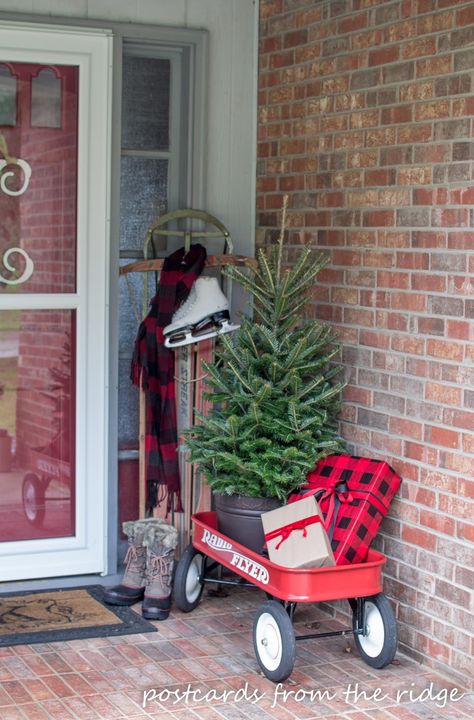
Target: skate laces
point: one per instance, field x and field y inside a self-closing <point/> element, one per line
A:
<point x="184" y="309"/>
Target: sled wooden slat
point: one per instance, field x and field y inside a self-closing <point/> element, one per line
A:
<point x="204" y="353"/>
<point x="212" y="261"/>
<point x="185" y="390"/>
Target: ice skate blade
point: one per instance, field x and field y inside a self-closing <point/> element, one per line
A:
<point x="189" y="339"/>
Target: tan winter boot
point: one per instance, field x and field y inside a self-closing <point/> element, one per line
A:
<point x="160" y="543"/>
<point x="132" y="587"/>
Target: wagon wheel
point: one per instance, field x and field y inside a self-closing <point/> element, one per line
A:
<point x="274" y="641"/>
<point x="378" y="644"/>
<point x="33" y="496"/>
<point x="188" y="586"/>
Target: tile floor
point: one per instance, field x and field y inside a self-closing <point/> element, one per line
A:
<point x="209" y="652"/>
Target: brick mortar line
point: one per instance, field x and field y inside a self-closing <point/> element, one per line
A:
<point x="380" y="126"/>
<point x="378" y="89"/>
<point x="410" y="314"/>
<point x="366" y="130"/>
<point x="394" y="290"/>
<point x="350" y="73"/>
<point x="456" y="185"/>
<point x="467" y="184"/>
<point x="446" y="623"/>
<point x="367" y="51"/>
<point x="428" y="634"/>
<point x="428" y="401"/>
<point x="349" y="13"/>
<point x="437" y="666"/>
<point x="423" y="423"/>
<point x="406" y="583"/>
<point x="456" y="475"/>
<point x="419" y="464"/>
<point x="425" y="613"/>
<point x="421" y="506"/>
<point x="405" y="333"/>
<point x="404" y="250"/>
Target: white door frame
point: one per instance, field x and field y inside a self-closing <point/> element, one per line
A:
<point x="91" y="50"/>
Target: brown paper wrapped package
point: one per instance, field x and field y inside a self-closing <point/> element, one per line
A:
<point x="295" y="535"/>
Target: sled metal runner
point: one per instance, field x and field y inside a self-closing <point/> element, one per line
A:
<point x="373" y="622"/>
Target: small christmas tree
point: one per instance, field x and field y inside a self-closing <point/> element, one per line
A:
<point x="275" y="392"/>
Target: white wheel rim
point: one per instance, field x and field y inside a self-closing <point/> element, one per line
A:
<point x="193" y="586"/>
<point x="268" y="641"/>
<point x="372" y="643"/>
<point x="30" y="501"/>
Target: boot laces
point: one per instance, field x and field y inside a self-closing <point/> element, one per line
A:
<point x="131" y="555"/>
<point x="159" y="568"/>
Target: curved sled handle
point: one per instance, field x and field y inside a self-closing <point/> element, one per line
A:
<point x="160" y="227"/>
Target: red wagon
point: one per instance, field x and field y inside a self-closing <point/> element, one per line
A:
<point x="373" y="622"/>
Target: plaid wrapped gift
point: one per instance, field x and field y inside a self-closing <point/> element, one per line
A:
<point x="354" y="495"/>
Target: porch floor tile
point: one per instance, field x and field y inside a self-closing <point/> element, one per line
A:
<point x="202" y="665"/>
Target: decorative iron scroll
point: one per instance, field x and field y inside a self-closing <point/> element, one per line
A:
<point x="27" y="271"/>
<point x="4" y="176"/>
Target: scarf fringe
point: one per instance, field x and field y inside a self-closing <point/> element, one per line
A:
<point x="159" y="492"/>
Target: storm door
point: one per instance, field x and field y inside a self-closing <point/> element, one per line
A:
<point x="54" y="187"/>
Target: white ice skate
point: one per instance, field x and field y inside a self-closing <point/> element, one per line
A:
<point x="205" y="314"/>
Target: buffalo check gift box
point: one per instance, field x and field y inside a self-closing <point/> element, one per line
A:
<point x="354" y="495"/>
<point x="295" y="535"/>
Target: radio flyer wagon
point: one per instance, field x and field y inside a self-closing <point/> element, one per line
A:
<point x="373" y="622"/>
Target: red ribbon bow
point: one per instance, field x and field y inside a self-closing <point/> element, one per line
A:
<point x="286" y="530"/>
<point x="331" y="493"/>
<point x="328" y="493"/>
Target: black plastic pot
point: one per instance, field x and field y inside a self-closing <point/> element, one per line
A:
<point x="239" y="518"/>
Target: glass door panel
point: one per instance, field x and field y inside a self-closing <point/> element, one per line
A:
<point x="38" y="181"/>
<point x="38" y="246"/>
<point x="147" y="167"/>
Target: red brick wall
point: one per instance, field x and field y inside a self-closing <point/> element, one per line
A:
<point x="366" y="121"/>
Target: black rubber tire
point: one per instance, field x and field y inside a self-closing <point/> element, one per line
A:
<point x="378" y="647"/>
<point x="33" y="498"/>
<point x="187" y="587"/>
<point x="274" y="641"/>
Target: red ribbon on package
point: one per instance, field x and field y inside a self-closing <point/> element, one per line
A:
<point x="332" y="493"/>
<point x="286" y="530"/>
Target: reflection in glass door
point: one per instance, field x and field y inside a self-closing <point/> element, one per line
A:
<point x="37" y="433"/>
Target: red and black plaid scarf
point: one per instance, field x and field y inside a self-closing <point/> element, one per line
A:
<point x="153" y="368"/>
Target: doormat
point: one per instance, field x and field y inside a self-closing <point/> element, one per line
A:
<point x="60" y="615"/>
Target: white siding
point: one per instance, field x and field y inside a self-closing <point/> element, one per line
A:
<point x="230" y="142"/>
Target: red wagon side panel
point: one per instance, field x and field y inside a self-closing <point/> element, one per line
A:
<point x="295" y="585"/>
